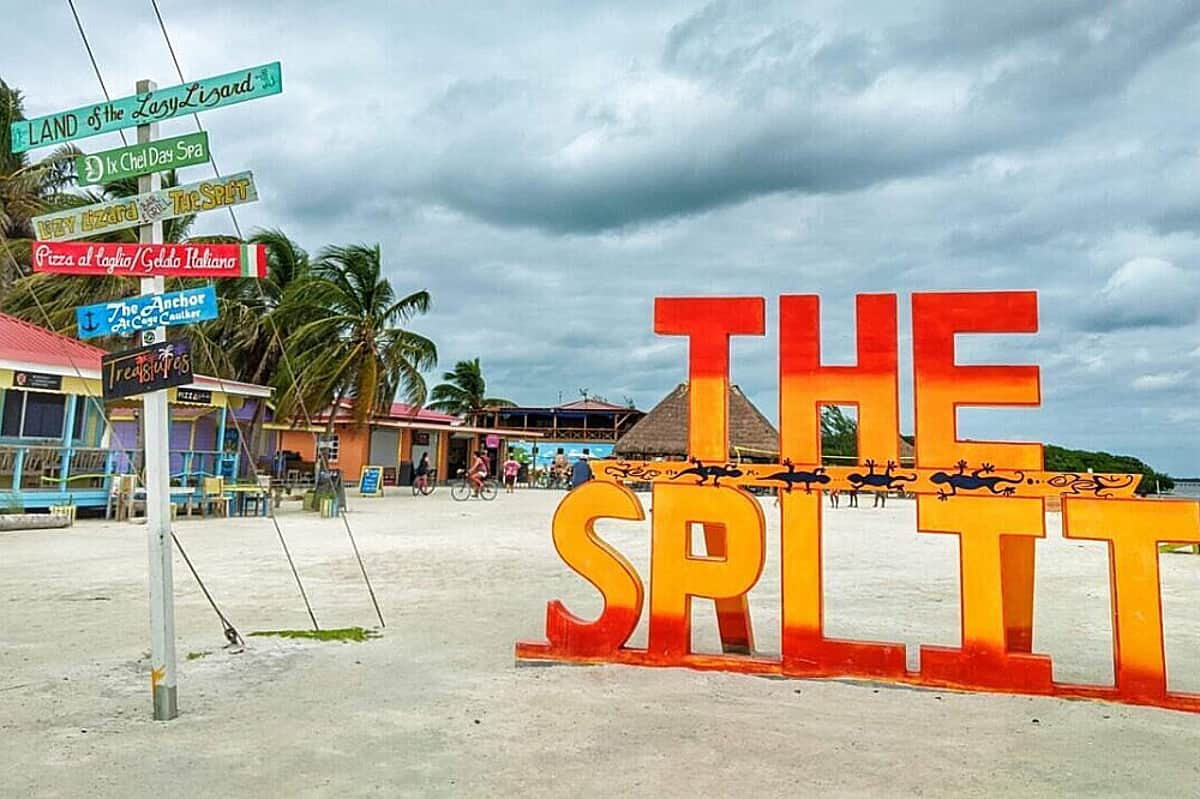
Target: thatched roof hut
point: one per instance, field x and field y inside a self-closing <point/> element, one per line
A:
<point x="663" y="432"/>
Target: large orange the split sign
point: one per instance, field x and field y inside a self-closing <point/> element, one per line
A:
<point x="990" y="495"/>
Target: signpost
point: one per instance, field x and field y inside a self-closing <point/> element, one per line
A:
<point x="152" y="369"/>
<point x="146" y="369"/>
<point x="133" y="315"/>
<point x="149" y="207"/>
<point x="147" y="107"/>
<point x="142" y="159"/>
<point x="141" y="260"/>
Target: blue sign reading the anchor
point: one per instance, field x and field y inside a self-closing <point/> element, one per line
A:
<point x="131" y="315"/>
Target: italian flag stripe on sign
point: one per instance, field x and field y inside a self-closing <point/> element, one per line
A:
<point x="253" y="262"/>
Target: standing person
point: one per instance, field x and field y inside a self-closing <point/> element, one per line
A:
<point x="834" y="495"/>
<point x="560" y="470"/>
<point x="511" y="467"/>
<point x="880" y="500"/>
<point x="581" y="472"/>
<point x="422" y="471"/>
<point x="854" y="497"/>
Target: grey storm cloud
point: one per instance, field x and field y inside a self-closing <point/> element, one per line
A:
<point x="546" y="169"/>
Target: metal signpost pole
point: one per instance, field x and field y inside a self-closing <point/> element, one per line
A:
<point x="158" y="497"/>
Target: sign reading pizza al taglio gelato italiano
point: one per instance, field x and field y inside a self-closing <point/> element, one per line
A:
<point x="150" y="260"/>
<point x="146" y="209"/>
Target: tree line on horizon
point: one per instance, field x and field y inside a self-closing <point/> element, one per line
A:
<point x="318" y="329"/>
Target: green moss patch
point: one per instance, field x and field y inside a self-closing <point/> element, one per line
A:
<point x="197" y="655"/>
<point x="358" y="634"/>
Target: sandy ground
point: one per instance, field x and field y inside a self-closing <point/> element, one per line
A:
<point x="437" y="707"/>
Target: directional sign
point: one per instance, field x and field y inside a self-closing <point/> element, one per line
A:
<point x="131" y="315"/>
<point x="145" y="369"/>
<point x="146" y="209"/>
<point x="143" y="109"/>
<point x="142" y="159"/>
<point x="150" y="260"/>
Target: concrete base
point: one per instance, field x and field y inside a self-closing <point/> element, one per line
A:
<point x="32" y="521"/>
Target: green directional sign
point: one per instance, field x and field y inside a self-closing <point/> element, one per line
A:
<point x="142" y="159"/>
<point x="144" y="109"/>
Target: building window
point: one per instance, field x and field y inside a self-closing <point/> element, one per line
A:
<point x="330" y="445"/>
<point x="33" y="414"/>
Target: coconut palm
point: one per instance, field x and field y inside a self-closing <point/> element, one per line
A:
<point x="347" y="338"/>
<point x="27" y="189"/>
<point x="465" y="391"/>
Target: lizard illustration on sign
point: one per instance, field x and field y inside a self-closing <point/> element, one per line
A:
<point x="982" y="477"/>
<point x="883" y="480"/>
<point x="705" y="472"/>
<point x="791" y="477"/>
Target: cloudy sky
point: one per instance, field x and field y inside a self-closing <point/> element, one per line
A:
<point x="545" y="170"/>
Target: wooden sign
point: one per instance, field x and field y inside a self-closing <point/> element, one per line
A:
<point x="370" y="482"/>
<point x="143" y="109"/>
<point x="140" y="371"/>
<point x="130" y="315"/>
<point x="142" y="159"/>
<point x="146" y="209"/>
<point x="151" y="260"/>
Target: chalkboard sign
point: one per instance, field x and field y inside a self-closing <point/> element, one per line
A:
<point x="163" y="365"/>
<point x="370" y="484"/>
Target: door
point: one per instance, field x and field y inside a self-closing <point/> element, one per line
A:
<point x="385" y="447"/>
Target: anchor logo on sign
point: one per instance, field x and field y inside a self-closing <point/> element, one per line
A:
<point x="89" y="326"/>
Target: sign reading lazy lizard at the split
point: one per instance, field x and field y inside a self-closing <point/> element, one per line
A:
<point x="150" y="260"/>
<point x="131" y="315"/>
<point x="142" y="159"/>
<point x="991" y="496"/>
<point x="126" y="374"/>
<point x="146" y="209"/>
<point x="143" y="109"/>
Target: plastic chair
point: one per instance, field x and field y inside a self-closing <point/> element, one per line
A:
<point x="213" y="495"/>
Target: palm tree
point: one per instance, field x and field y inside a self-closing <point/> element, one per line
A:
<point x="51" y="299"/>
<point x="465" y="391"/>
<point x="347" y="337"/>
<point x="26" y="190"/>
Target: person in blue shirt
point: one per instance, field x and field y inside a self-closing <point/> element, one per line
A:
<point x="581" y="471"/>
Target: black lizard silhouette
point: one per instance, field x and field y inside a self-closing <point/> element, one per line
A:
<point x="976" y="480"/>
<point x="715" y="472"/>
<point x="791" y="477"/>
<point x="884" y="480"/>
<point x="1095" y="484"/>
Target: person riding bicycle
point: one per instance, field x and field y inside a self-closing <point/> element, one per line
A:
<point x="478" y="471"/>
<point x="422" y="471"/>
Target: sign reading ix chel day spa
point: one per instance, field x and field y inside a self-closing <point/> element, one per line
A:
<point x="151" y="260"/>
<point x="142" y="159"/>
<point x="146" y="209"/>
<point x="989" y="495"/>
<point x="131" y="315"/>
<point x="144" y="109"/>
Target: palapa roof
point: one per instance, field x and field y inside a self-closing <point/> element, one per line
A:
<point x="664" y="430"/>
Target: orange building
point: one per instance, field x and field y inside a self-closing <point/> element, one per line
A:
<point x="394" y="441"/>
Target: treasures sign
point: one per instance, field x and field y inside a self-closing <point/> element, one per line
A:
<point x="131" y="315"/>
<point x="144" y="109"/>
<point x="142" y="159"/>
<point x="151" y="260"/>
<point x="126" y="374"/>
<point x="146" y="209"/>
<point x="990" y="495"/>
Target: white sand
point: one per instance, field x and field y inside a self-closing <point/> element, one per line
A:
<point x="437" y="707"/>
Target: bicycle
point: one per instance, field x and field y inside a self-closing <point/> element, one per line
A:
<point x="422" y="486"/>
<point x="463" y="490"/>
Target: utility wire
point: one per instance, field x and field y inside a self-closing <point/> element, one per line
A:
<point x="320" y="456"/>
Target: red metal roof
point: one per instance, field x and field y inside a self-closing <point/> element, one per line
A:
<point x="399" y="411"/>
<point x="27" y="343"/>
